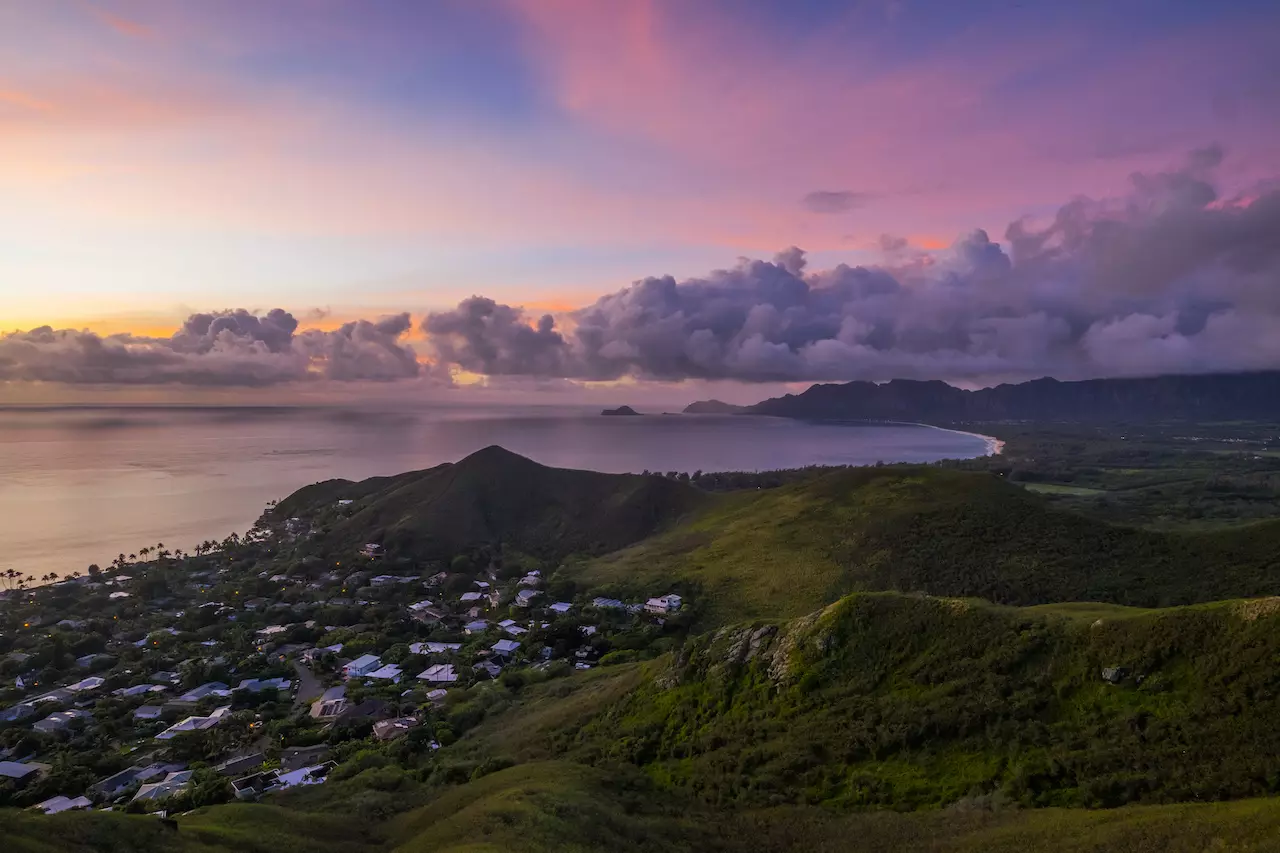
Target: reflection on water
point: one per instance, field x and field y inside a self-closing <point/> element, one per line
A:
<point x="80" y="485"/>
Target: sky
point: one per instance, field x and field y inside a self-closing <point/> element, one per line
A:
<point x="540" y="195"/>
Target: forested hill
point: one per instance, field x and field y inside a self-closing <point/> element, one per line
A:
<point x="1209" y="397"/>
<point x="493" y="497"/>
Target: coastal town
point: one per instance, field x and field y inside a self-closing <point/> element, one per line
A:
<point x="168" y="681"/>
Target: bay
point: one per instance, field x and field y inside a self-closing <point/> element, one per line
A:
<point x="82" y="484"/>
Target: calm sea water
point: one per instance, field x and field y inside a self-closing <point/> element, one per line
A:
<point x="81" y="485"/>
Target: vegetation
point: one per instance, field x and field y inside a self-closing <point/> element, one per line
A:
<point x="916" y="657"/>
<point x="492" y="497"/>
<point x="787" y="551"/>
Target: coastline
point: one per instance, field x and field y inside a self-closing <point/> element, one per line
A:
<point x="995" y="446"/>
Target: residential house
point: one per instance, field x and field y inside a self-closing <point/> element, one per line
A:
<point x="505" y="648"/>
<point x="253" y="786"/>
<point x="488" y="667"/>
<point x="17" y="713"/>
<point x="60" y="720"/>
<point x="93" y="682"/>
<point x="479" y="626"/>
<point x="440" y="673"/>
<point x="137" y="690"/>
<point x="313" y="655"/>
<point x="330" y="704"/>
<point x="361" y="666"/>
<point x="53" y="805"/>
<point x="608" y="604"/>
<point x="515" y="630"/>
<point x="389" y="672"/>
<point x="20" y="773"/>
<point x="299" y="757"/>
<point x="195" y="724"/>
<point x="531" y="579"/>
<point x="437" y="696"/>
<point x="173" y="783"/>
<point x="210" y="688"/>
<point x="525" y="597"/>
<point x="663" y="604"/>
<point x="147" y="712"/>
<point x="240" y="764"/>
<point x="561" y="607"/>
<point x="116" y="783"/>
<point x="470" y="597"/>
<point x="433" y="648"/>
<point x="257" y="685"/>
<point x="372" y="551"/>
<point x="393" y="728"/>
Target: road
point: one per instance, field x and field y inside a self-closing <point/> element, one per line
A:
<point x="309" y="687"/>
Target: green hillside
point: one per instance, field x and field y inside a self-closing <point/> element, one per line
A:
<point x="884" y="700"/>
<point x="557" y="806"/>
<point x="494" y="497"/>
<point x="784" y="552"/>
<point x="235" y="827"/>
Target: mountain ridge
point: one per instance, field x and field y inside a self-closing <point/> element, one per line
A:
<point x="1206" y="397"/>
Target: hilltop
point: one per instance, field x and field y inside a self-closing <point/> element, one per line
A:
<point x="713" y="407"/>
<point x="494" y="497"/>
<point x="1208" y="397"/>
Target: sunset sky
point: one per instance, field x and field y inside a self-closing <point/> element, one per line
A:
<point x="353" y="161"/>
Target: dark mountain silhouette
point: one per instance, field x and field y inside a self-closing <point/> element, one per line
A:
<point x="713" y="407"/>
<point x="496" y="496"/>
<point x="1207" y="397"/>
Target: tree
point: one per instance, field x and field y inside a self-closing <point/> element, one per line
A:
<point x="95" y="573"/>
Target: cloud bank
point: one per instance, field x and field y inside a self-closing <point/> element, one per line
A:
<point x="1170" y="278"/>
<point x="228" y="348"/>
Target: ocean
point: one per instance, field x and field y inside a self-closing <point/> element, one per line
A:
<point x="83" y="484"/>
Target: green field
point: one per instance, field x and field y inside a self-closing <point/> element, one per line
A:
<point x="1063" y="489"/>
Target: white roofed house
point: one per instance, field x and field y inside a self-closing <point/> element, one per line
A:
<point x="668" y="603"/>
<point x="479" y="626"/>
<point x="174" y="783"/>
<point x="561" y="607"/>
<point x="440" y="673"/>
<point x="53" y="805"/>
<point x="195" y="724"/>
<point x="469" y="597"/>
<point x="361" y="666"/>
<point x="372" y="551"/>
<point x="388" y="672"/>
<point x="525" y="597"/>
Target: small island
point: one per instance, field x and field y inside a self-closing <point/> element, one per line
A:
<point x="713" y="407"/>
<point x="621" y="411"/>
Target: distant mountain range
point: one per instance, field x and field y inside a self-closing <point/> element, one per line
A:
<point x="1217" y="397"/>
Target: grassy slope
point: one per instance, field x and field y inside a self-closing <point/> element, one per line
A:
<point x="902" y="701"/>
<point x="785" y="552"/>
<point x="496" y="496"/>
<point x="556" y="806"/>
<point x="242" y="828"/>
